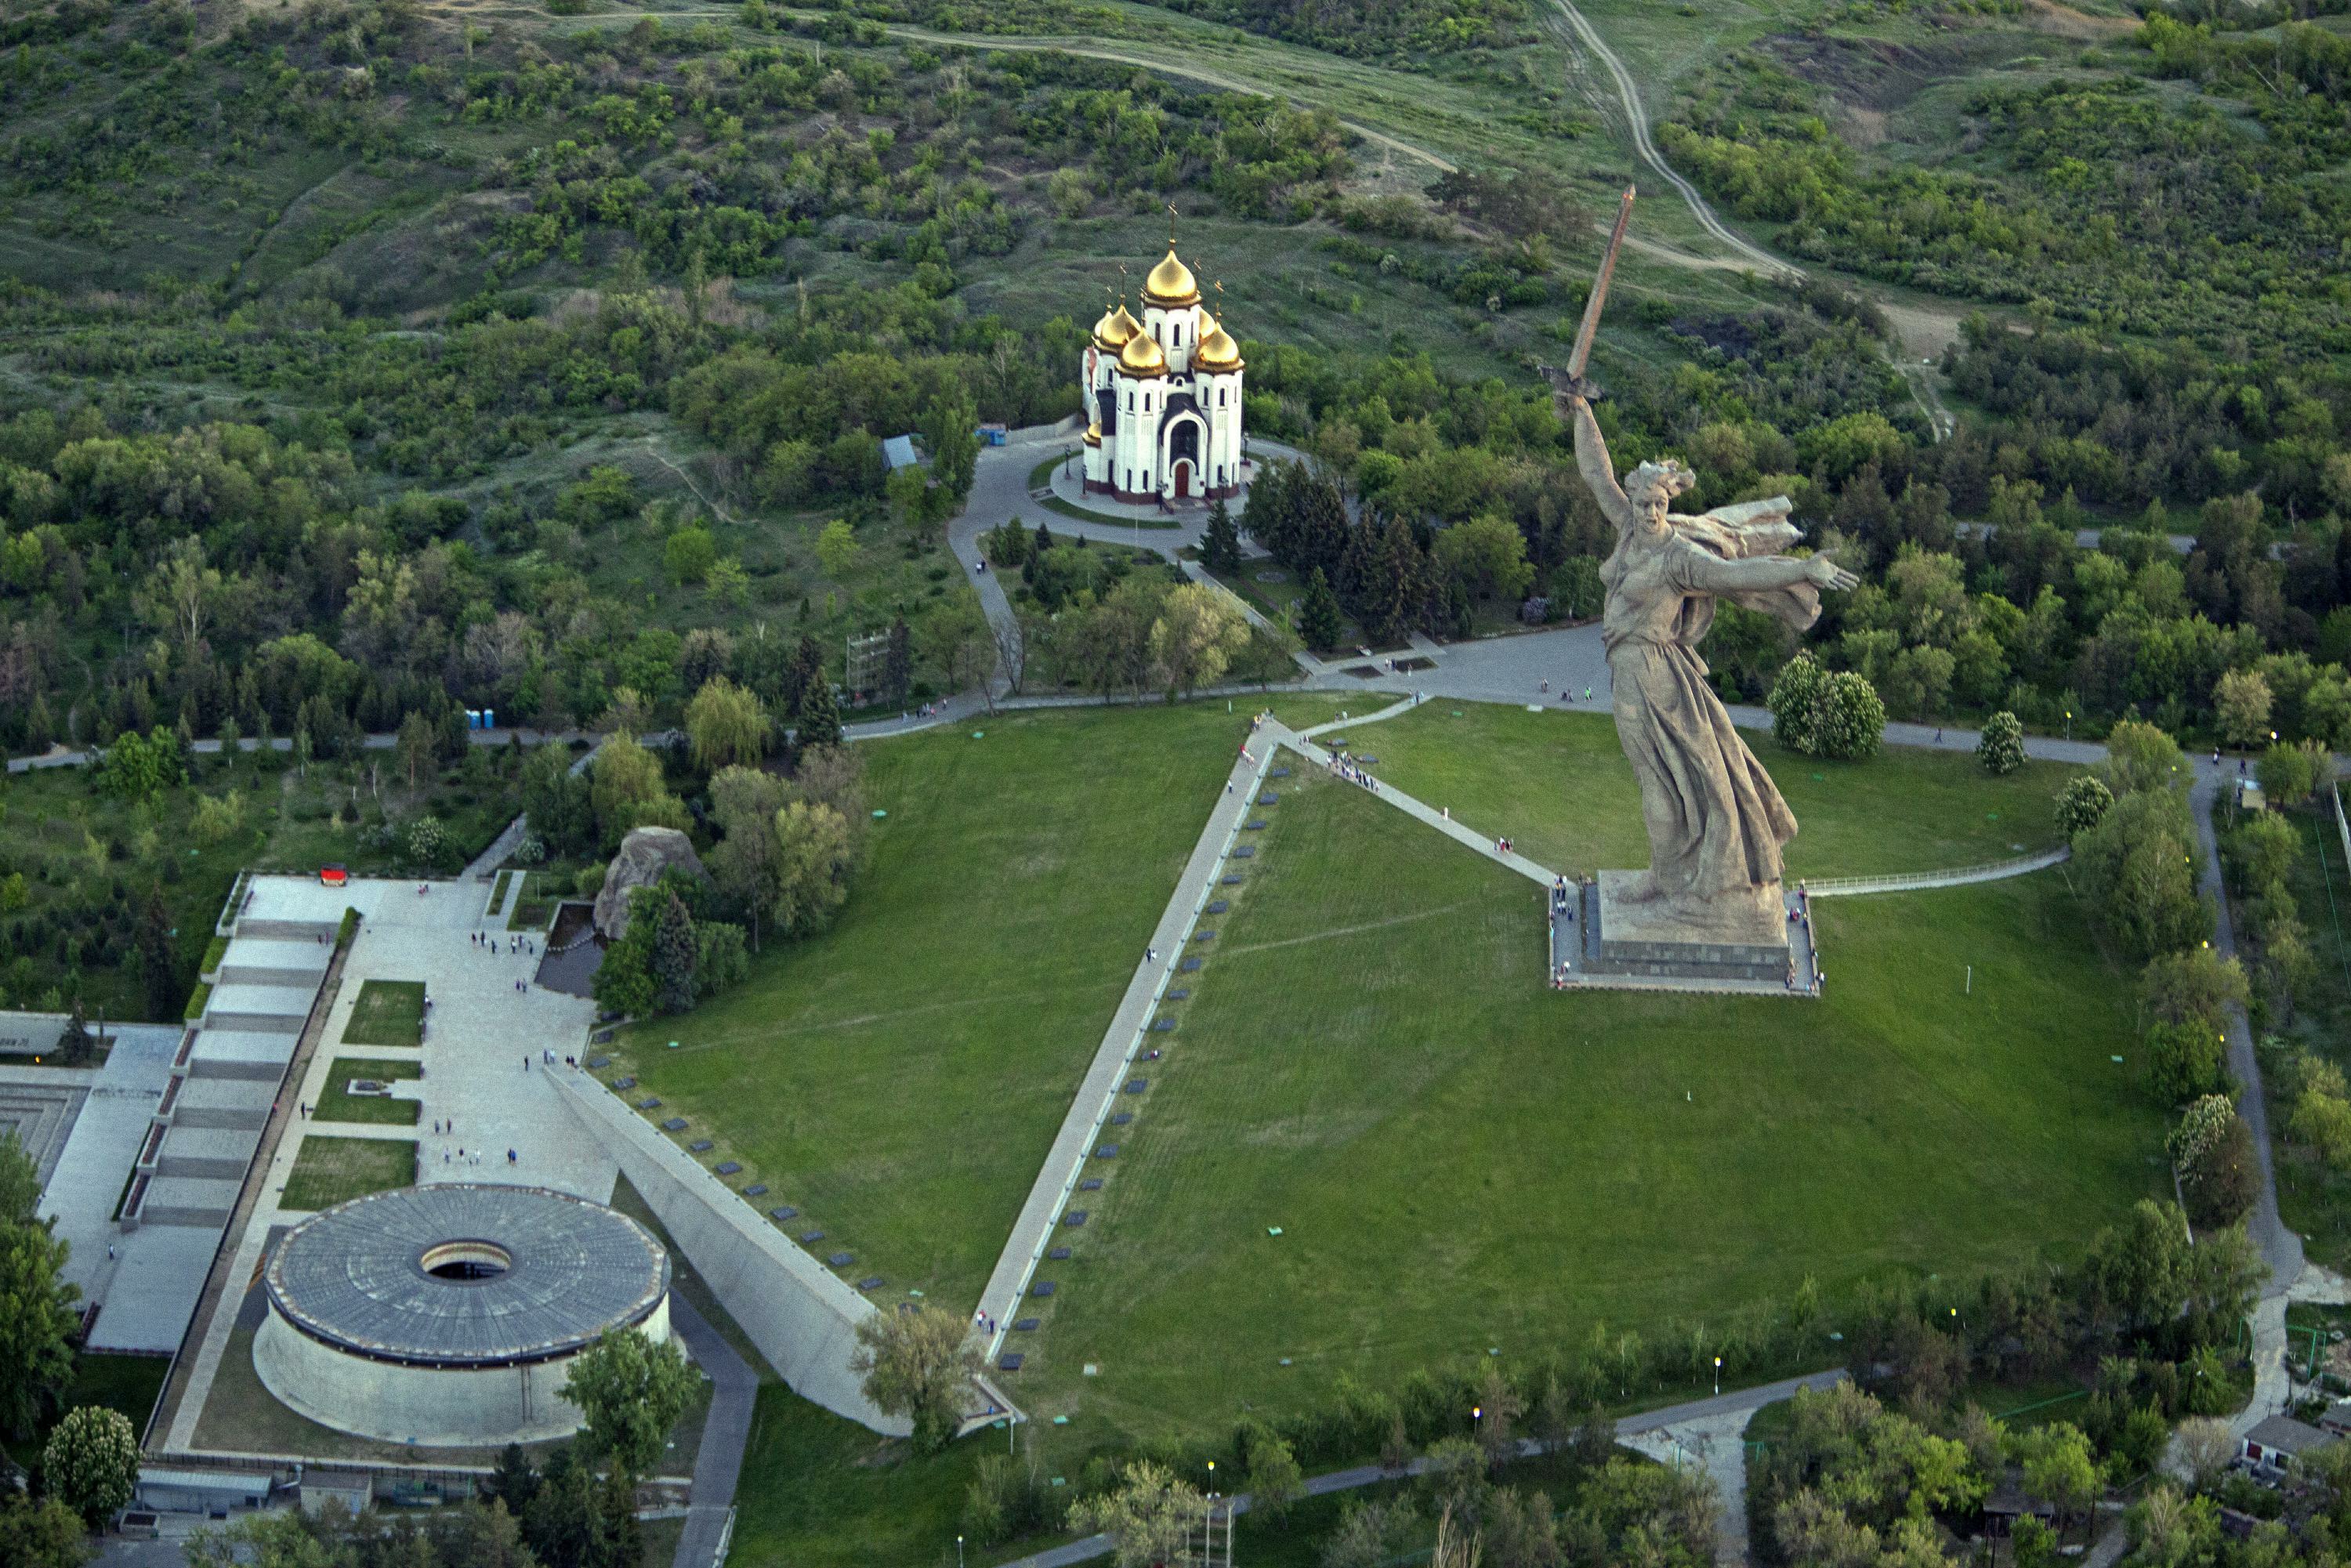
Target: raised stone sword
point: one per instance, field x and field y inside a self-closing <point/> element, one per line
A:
<point x="1583" y="352"/>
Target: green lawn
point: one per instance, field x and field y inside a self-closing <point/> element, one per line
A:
<point x="1460" y="1159"/>
<point x="900" y="1078"/>
<point x="534" y="903"/>
<point x="126" y="1382"/>
<point x="389" y="1012"/>
<point x="2312" y="1200"/>
<point x="1558" y="784"/>
<point x="336" y="1105"/>
<point x="329" y="1170"/>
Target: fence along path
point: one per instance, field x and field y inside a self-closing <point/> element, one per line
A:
<point x="1956" y="876"/>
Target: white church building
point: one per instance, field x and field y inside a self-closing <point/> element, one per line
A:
<point x="1163" y="397"/>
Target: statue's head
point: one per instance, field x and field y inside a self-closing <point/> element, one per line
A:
<point x="1652" y="487"/>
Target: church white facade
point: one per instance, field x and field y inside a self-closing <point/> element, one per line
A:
<point x="1163" y="397"/>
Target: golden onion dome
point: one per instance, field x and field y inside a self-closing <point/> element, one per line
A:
<point x="1115" y="327"/>
<point x="1142" y="356"/>
<point x="1171" y="283"/>
<point x="1218" y="351"/>
<point x="1093" y="436"/>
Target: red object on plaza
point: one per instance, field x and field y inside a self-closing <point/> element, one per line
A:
<point x="333" y="876"/>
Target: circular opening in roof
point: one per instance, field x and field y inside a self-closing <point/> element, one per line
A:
<point x="466" y="1260"/>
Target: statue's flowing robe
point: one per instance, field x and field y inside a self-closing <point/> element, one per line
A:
<point x="1717" y="823"/>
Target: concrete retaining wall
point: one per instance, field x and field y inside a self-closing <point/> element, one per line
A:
<point x="803" y="1319"/>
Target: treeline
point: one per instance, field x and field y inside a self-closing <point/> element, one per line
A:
<point x="2114" y="206"/>
<point x="2144" y="1322"/>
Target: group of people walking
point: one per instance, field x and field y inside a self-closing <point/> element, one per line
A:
<point x="1347" y="767"/>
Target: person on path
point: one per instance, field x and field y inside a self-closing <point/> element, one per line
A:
<point x="526" y="1064"/>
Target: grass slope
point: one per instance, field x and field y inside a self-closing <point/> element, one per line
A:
<point x="1459" y="1158"/>
<point x="1558" y="784"/>
<point x="329" y="1171"/>
<point x="900" y="1078"/>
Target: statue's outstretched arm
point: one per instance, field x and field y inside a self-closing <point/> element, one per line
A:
<point x="1591" y="462"/>
<point x="1710" y="573"/>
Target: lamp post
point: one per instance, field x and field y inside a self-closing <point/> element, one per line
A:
<point x="1212" y="1477"/>
<point x="2069" y="723"/>
<point x="959" y="1551"/>
<point x="1718" y="1374"/>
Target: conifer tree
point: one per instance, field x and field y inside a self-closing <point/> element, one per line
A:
<point x="1317" y="613"/>
<point x="1221" y="541"/>
<point x="819" y="722"/>
<point x="898" y="665"/>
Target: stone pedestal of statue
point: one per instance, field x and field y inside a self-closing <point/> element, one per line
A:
<point x="1625" y="942"/>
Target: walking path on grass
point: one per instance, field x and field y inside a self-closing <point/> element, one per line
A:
<point x="725" y="1432"/>
<point x="1056" y="1179"/>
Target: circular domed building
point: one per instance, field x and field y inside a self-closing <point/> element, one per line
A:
<point x="1163" y="396"/>
<point x="451" y="1314"/>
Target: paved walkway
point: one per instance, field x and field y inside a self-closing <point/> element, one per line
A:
<point x="1007" y="1285"/>
<point x="1739" y="1404"/>
<point x="479" y="1032"/>
<point x="719" y="1464"/>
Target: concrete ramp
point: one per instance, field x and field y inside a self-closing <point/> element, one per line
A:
<point x="803" y="1319"/>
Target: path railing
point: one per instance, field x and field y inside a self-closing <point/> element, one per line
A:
<point x="2341" y="825"/>
<point x="1904" y="882"/>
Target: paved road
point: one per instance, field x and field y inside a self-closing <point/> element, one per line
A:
<point x="1737" y="1401"/>
<point x="735" y="1387"/>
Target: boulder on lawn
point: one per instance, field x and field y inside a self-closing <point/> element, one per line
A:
<point x="644" y="855"/>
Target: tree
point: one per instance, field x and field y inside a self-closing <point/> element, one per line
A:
<point x="45" y="1535"/>
<point x="91" y="1462"/>
<point x="2141" y="758"/>
<point x="915" y="1362"/>
<point x="1487" y="556"/>
<point x="956" y="637"/>
<point x="2139" y="876"/>
<point x="1794" y="701"/>
<point x="2195" y="985"/>
<point x="815" y="858"/>
<point x="673" y="953"/>
<point x="688" y="555"/>
<point x="37" y="1319"/>
<point x="1576" y="588"/>
<point x="1198" y="631"/>
<point x="417" y="746"/>
<point x="157" y="965"/>
<point x="820" y="721"/>
<point x="726" y="723"/>
<point x="2183" y="1061"/>
<point x="836" y="549"/>
<point x="20" y="1183"/>
<point x="1220" y="540"/>
<point x="2058" y="1466"/>
<point x="556" y="801"/>
<point x="745" y="801"/>
<point x="1147" y="1516"/>
<point x="2241" y="703"/>
<point x="631" y="1392"/>
<point x="626" y="788"/>
<point x="2082" y="803"/>
<point x="728" y="581"/>
<point x="1318" y="613"/>
<point x="74" y="1046"/>
<point x="1275" y="1480"/>
<point x="2288" y="774"/>
<point x="2001" y="749"/>
<point x="1849" y="720"/>
<point x="898" y="664"/>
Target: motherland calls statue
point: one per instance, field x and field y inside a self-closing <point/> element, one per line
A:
<point x="1715" y="822"/>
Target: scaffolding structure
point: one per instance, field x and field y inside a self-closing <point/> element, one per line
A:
<point x="1209" y="1540"/>
<point x="868" y="666"/>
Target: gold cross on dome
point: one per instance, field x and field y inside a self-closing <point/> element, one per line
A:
<point x="1171" y="225"/>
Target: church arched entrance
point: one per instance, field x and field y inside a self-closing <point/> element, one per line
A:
<point x="1185" y="480"/>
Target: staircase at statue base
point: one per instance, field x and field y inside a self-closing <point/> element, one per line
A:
<point x="1603" y="941"/>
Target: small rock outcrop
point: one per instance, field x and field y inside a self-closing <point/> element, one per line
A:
<point x="644" y="855"/>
